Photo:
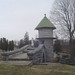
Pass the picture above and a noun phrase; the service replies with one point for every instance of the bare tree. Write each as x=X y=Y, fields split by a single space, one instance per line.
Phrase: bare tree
x=63 y=14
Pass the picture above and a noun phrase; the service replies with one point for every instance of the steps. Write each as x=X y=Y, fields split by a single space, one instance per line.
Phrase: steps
x=16 y=62
x=20 y=59
x=22 y=56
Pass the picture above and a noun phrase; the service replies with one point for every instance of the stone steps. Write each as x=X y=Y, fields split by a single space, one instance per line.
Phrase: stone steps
x=22 y=56
x=20 y=59
x=16 y=62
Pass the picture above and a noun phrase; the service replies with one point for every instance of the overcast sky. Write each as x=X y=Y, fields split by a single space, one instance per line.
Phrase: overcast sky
x=20 y=16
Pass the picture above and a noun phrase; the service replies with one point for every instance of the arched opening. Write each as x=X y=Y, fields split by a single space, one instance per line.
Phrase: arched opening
x=43 y=58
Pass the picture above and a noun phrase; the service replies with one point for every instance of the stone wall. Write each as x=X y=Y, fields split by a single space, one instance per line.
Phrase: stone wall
x=49 y=49
x=37 y=55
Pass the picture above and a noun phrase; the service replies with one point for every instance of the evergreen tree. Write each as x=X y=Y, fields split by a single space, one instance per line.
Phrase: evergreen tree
x=1 y=45
x=4 y=44
x=26 y=38
x=11 y=45
x=21 y=43
x=57 y=46
x=24 y=41
x=73 y=49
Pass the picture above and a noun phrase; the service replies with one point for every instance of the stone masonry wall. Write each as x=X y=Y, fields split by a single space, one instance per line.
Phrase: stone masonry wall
x=36 y=55
x=49 y=49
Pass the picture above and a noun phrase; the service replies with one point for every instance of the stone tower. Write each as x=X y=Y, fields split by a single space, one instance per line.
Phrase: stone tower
x=45 y=31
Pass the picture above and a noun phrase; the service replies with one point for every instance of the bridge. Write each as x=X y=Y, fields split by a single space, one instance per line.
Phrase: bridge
x=43 y=53
x=24 y=55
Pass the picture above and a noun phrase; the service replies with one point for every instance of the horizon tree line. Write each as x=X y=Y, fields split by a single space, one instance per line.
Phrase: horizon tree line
x=6 y=45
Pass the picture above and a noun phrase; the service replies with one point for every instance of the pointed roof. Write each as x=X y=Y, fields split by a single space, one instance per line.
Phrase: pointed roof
x=45 y=23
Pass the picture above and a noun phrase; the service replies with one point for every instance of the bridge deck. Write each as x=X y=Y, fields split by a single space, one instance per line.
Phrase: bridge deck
x=20 y=56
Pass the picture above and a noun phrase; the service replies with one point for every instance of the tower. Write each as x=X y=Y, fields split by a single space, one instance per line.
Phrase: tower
x=45 y=31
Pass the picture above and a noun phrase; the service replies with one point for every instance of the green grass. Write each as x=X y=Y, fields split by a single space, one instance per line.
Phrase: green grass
x=51 y=69
x=1 y=57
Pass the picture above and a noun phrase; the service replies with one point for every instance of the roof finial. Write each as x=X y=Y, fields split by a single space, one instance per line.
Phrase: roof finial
x=45 y=15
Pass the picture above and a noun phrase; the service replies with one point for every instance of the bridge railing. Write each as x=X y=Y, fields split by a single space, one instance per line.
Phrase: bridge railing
x=36 y=55
x=7 y=54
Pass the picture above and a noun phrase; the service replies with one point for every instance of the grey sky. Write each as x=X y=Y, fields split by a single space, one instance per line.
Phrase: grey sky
x=19 y=16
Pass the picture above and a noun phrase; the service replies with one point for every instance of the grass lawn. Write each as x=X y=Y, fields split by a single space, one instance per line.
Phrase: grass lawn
x=1 y=57
x=51 y=69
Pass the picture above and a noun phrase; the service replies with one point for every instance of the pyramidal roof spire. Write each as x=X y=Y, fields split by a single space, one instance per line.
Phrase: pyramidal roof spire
x=45 y=23
x=45 y=15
